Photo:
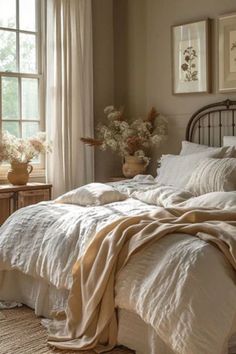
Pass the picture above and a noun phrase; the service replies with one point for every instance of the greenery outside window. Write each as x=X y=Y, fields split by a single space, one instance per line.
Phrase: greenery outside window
x=21 y=69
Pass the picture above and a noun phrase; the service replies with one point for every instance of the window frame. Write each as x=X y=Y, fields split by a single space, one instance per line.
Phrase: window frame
x=39 y=168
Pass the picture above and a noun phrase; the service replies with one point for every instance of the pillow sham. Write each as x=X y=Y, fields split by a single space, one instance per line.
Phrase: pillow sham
x=92 y=194
x=176 y=170
x=219 y=200
x=213 y=175
x=230 y=141
x=189 y=148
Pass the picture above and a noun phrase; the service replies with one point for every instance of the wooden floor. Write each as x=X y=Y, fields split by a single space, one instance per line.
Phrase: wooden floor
x=22 y=333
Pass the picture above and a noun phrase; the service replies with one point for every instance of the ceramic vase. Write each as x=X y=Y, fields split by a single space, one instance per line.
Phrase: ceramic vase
x=133 y=166
x=19 y=172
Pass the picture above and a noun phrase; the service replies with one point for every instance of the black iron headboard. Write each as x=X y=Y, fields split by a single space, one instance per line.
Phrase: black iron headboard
x=210 y=123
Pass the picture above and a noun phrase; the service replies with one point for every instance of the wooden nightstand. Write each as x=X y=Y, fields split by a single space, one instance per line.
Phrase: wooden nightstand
x=16 y=197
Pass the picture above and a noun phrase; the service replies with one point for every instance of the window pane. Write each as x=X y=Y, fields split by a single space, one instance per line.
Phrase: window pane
x=27 y=15
x=8 y=13
x=27 y=53
x=10 y=98
x=12 y=127
x=7 y=51
x=30 y=99
x=29 y=129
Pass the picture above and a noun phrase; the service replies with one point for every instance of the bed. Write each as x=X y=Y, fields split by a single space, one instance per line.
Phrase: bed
x=42 y=288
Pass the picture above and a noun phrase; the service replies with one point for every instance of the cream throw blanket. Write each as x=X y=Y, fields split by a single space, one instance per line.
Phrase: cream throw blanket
x=90 y=316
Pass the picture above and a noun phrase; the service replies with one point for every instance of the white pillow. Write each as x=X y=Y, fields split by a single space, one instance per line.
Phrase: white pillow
x=219 y=200
x=176 y=170
x=92 y=194
x=213 y=175
x=193 y=148
x=229 y=140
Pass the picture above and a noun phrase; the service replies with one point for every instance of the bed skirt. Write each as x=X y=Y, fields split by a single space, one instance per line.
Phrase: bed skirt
x=44 y=298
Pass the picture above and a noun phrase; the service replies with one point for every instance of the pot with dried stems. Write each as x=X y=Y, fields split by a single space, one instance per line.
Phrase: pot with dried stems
x=19 y=172
x=133 y=165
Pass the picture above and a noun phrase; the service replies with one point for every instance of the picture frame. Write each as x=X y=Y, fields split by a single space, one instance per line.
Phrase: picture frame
x=190 y=57
x=227 y=53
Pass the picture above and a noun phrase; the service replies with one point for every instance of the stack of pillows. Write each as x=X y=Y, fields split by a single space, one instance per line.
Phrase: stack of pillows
x=201 y=169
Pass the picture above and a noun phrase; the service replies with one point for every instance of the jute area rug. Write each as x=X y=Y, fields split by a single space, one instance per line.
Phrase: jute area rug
x=22 y=333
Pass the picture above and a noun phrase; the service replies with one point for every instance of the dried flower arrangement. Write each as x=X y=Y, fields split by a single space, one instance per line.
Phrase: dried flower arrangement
x=129 y=138
x=13 y=149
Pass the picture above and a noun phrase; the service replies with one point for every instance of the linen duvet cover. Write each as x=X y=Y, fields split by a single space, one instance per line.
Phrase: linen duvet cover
x=181 y=285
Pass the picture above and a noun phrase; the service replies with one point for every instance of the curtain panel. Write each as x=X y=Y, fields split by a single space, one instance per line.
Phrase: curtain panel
x=69 y=92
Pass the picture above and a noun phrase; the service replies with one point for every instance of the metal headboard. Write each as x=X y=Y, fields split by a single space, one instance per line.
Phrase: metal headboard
x=210 y=123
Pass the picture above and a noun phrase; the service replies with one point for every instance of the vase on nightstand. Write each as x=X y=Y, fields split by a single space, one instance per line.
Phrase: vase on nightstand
x=133 y=166
x=19 y=172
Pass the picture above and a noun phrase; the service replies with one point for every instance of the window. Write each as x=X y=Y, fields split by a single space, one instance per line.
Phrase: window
x=21 y=69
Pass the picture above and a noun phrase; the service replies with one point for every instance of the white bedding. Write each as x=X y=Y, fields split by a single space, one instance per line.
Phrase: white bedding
x=180 y=278
x=46 y=239
x=141 y=337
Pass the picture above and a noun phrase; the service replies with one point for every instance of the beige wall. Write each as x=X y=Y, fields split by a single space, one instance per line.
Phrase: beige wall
x=132 y=67
x=103 y=58
x=130 y=55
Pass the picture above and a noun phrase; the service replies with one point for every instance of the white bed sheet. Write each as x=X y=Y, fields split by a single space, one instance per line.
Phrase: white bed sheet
x=141 y=337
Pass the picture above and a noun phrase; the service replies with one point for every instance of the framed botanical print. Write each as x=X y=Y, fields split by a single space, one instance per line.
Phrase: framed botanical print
x=190 y=56
x=227 y=53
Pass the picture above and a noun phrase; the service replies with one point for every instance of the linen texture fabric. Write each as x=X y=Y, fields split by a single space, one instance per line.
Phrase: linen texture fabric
x=90 y=316
x=69 y=93
x=212 y=200
x=189 y=148
x=176 y=170
x=92 y=194
x=213 y=175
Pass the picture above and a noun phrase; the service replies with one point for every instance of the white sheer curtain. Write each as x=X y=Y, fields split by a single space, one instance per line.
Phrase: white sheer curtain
x=69 y=92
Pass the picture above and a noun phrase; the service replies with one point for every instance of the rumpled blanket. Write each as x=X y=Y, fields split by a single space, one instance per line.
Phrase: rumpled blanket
x=90 y=316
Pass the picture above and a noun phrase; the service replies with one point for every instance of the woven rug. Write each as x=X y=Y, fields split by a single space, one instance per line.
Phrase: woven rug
x=22 y=333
